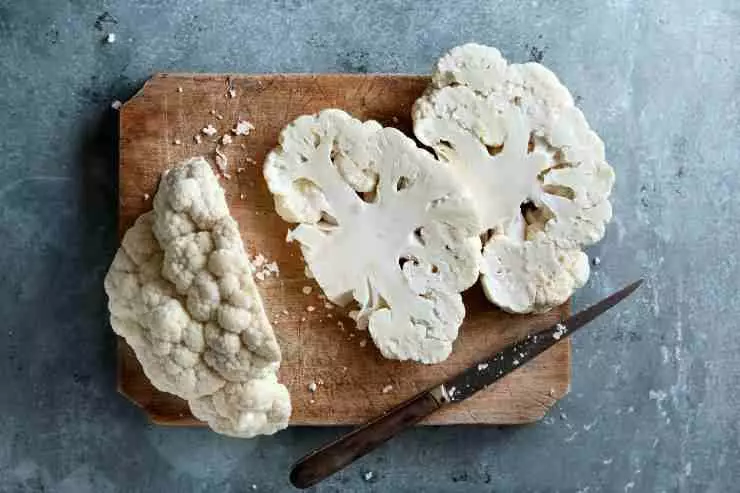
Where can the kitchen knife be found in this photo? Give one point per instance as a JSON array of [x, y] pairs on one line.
[[336, 455]]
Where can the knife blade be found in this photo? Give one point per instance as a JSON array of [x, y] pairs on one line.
[[336, 455]]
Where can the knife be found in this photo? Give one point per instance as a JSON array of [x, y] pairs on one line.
[[329, 459]]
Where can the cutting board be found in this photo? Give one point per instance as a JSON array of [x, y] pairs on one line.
[[157, 130]]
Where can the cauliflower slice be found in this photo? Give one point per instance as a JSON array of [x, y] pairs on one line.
[[381, 222], [181, 293], [536, 170]]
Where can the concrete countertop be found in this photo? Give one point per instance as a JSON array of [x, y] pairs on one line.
[[654, 404]]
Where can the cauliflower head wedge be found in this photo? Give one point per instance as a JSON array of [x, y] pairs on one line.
[[181, 293], [381, 222], [536, 170]]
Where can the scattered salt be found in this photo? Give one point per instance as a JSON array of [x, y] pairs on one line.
[[560, 330], [482, 366]]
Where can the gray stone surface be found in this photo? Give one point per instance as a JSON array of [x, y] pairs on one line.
[[654, 402]]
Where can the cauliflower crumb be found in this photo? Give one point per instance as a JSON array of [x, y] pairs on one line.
[[596, 261], [209, 130], [273, 267], [222, 162], [285, 311], [226, 139], [328, 306], [232, 93], [110, 38], [242, 195], [312, 387], [177, 142], [260, 276], [387, 389], [259, 260], [363, 343], [307, 289], [368, 476], [197, 138], [146, 196], [219, 117], [179, 89], [310, 308], [560, 330], [516, 362], [239, 170], [303, 319], [482, 366], [242, 127], [116, 105]]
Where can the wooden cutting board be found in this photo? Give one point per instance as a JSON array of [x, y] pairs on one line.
[[157, 129]]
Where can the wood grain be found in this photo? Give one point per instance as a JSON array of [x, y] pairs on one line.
[[314, 347]]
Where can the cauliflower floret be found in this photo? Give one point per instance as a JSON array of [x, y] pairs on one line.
[[381, 222], [182, 295], [536, 170]]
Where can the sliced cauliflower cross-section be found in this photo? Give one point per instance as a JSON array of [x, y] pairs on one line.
[[381, 222], [181, 293], [536, 170]]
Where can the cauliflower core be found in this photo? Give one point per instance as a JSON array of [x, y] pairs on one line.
[[383, 222], [181, 293], [536, 170]]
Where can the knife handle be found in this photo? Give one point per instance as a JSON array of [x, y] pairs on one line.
[[338, 454]]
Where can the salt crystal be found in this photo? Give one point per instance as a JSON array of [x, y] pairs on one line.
[[226, 139], [482, 366]]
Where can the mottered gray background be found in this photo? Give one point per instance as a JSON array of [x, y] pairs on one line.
[[654, 399]]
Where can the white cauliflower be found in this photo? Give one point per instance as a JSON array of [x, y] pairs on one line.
[[383, 222], [181, 294], [536, 170]]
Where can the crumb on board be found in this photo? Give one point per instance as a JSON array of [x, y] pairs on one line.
[[239, 170], [222, 162], [242, 127], [197, 138], [110, 38], [226, 139], [177, 142], [482, 366], [179, 88], [303, 319], [310, 308], [242, 195], [146, 196], [368, 476], [116, 104], [285, 311], [312, 387], [363, 343], [209, 130], [387, 389], [596, 261], [232, 93], [306, 290], [328, 306]]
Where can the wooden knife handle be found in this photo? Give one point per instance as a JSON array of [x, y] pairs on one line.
[[338, 454]]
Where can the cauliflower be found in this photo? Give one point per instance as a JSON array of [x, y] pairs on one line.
[[536, 170], [381, 222], [181, 293]]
